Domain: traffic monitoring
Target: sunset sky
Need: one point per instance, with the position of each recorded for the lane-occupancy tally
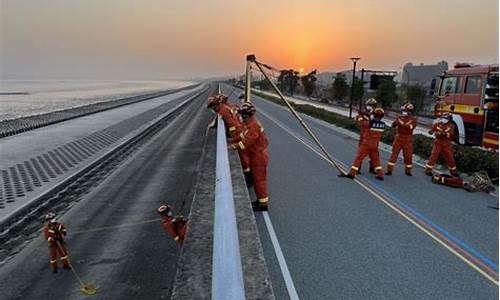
(163, 39)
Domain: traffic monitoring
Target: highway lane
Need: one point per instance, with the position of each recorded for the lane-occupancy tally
(339, 241)
(114, 240)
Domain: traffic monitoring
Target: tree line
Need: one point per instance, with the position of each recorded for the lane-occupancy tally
(386, 93)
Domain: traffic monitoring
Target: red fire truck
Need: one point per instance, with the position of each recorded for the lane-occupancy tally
(470, 94)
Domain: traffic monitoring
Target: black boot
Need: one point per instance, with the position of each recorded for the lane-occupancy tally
(346, 176)
(259, 206)
(248, 179)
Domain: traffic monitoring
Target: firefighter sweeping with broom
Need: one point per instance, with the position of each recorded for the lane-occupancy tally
(175, 226)
(54, 233)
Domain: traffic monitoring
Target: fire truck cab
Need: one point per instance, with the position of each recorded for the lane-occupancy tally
(470, 94)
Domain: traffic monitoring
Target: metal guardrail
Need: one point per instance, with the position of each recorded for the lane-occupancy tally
(227, 274)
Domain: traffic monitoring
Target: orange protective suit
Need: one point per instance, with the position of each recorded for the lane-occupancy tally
(363, 121)
(54, 234)
(234, 127)
(369, 147)
(442, 145)
(448, 180)
(175, 226)
(254, 141)
(403, 141)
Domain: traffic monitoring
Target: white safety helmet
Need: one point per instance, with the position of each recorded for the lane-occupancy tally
(50, 217)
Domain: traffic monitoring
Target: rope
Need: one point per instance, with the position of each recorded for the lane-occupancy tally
(70, 265)
(115, 227)
(297, 116)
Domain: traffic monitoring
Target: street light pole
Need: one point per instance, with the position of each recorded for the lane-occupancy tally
(363, 85)
(354, 61)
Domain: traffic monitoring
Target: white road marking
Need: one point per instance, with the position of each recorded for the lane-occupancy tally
(292, 293)
(390, 205)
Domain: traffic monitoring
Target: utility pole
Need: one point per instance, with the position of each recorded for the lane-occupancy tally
(363, 85)
(248, 78)
(354, 61)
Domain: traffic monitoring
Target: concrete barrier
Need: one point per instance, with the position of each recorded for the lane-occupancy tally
(227, 275)
(193, 279)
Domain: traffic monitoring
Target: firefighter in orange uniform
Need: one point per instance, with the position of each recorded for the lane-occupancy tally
(175, 226)
(254, 141)
(404, 124)
(363, 121)
(443, 129)
(369, 146)
(229, 114)
(54, 233)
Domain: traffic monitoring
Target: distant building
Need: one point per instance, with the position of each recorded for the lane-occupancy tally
(348, 75)
(422, 74)
(325, 78)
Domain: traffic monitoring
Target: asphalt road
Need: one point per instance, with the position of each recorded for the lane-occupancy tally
(341, 242)
(124, 260)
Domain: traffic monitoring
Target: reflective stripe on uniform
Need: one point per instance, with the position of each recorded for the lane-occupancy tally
(263, 200)
(391, 163)
(53, 261)
(376, 129)
(51, 231)
(176, 238)
(232, 128)
(242, 146)
(452, 169)
(49, 239)
(64, 257)
(409, 166)
(442, 179)
(378, 168)
(262, 129)
(429, 166)
(355, 168)
(246, 170)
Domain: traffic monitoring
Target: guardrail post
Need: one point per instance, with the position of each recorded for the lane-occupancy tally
(227, 274)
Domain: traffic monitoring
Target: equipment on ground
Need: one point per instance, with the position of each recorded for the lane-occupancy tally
(477, 182)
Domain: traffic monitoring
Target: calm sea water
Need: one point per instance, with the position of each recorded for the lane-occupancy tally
(20, 98)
